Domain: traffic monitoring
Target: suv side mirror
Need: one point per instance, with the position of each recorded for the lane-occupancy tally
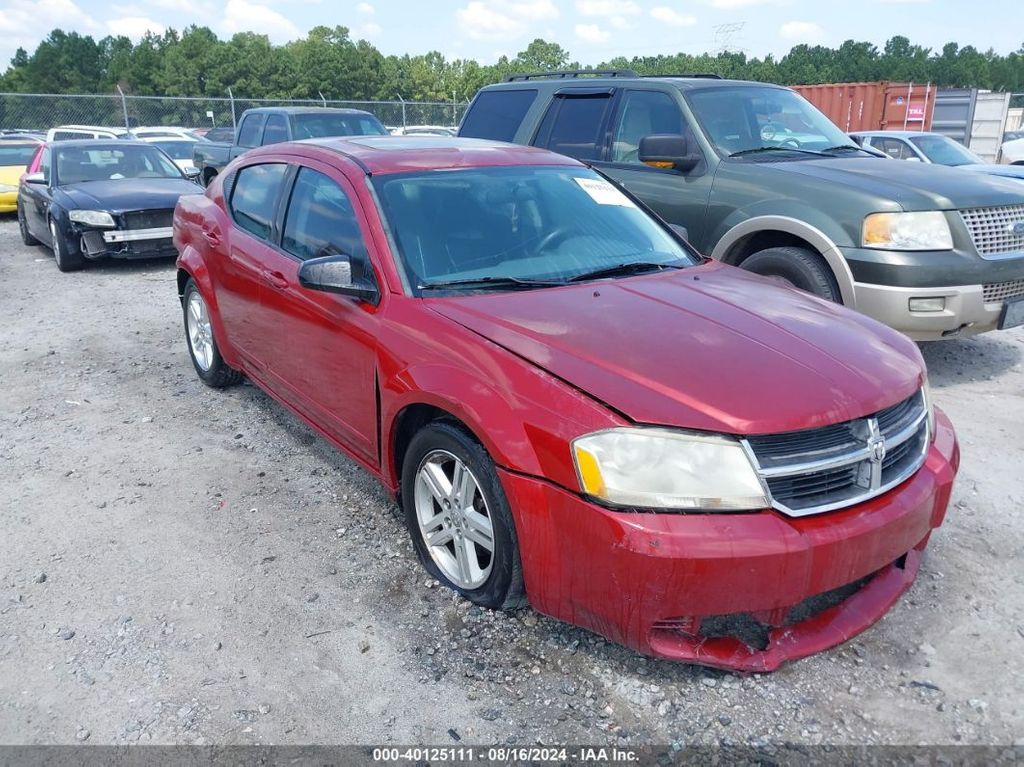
(192, 174)
(34, 178)
(335, 274)
(668, 150)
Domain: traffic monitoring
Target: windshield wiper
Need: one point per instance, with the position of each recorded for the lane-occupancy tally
(489, 282)
(837, 147)
(757, 150)
(629, 267)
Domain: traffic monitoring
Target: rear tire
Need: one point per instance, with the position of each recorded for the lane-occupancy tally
(26, 235)
(202, 346)
(800, 267)
(68, 259)
(457, 513)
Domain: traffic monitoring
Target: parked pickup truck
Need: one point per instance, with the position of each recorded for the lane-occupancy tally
(272, 125)
(761, 179)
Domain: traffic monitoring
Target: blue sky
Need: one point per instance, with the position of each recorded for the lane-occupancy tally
(592, 30)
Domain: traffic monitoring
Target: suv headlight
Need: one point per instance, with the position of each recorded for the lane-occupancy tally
(924, 230)
(91, 217)
(664, 469)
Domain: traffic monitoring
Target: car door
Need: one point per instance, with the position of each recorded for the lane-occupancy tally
(250, 134)
(276, 130)
(254, 194)
(321, 347)
(36, 199)
(680, 198)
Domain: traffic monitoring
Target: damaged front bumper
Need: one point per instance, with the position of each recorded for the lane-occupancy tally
(128, 243)
(745, 592)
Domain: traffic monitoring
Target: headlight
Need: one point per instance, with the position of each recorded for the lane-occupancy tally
(91, 217)
(8, 188)
(664, 469)
(926, 230)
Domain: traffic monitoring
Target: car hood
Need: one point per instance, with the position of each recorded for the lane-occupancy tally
(914, 185)
(710, 347)
(128, 193)
(1007, 171)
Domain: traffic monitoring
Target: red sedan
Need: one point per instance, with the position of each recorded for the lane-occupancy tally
(571, 406)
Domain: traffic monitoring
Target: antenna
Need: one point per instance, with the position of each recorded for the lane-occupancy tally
(724, 34)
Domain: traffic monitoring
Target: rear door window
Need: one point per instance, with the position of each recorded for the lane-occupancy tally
(254, 197)
(575, 125)
(496, 115)
(250, 130)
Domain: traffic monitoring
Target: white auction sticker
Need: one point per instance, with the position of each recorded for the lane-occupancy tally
(603, 193)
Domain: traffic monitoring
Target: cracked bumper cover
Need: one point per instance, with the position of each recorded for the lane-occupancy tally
(128, 243)
(625, 575)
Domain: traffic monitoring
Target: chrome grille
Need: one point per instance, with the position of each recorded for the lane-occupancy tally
(996, 231)
(816, 470)
(149, 219)
(998, 292)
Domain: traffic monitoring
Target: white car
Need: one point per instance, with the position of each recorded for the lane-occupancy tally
(178, 148)
(165, 131)
(1012, 152)
(73, 132)
(424, 130)
(934, 148)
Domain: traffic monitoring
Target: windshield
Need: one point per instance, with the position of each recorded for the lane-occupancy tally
(178, 150)
(502, 224)
(323, 125)
(17, 154)
(942, 150)
(78, 164)
(744, 118)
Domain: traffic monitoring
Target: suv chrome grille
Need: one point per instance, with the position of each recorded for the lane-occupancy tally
(997, 292)
(996, 231)
(816, 470)
(149, 219)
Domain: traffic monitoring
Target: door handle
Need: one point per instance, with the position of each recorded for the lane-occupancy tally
(275, 279)
(211, 237)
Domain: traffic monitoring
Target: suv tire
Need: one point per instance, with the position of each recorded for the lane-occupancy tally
(800, 267)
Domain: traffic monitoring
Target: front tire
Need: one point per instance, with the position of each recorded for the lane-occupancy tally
(202, 346)
(26, 235)
(68, 259)
(799, 267)
(459, 518)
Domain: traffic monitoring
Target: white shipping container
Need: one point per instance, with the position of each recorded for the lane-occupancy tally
(990, 110)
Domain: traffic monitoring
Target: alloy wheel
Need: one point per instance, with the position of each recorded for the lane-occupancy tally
(454, 519)
(200, 333)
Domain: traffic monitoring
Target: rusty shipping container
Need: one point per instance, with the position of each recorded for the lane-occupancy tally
(874, 106)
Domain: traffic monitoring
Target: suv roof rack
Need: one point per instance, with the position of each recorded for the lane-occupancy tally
(693, 75)
(572, 73)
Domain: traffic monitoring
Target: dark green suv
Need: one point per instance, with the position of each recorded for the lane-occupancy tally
(763, 180)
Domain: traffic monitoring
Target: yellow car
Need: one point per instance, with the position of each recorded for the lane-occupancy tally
(14, 158)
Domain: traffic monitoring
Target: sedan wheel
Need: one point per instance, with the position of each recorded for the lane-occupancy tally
(200, 333)
(66, 261)
(454, 520)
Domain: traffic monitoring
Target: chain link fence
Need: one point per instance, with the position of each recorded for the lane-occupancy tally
(40, 111)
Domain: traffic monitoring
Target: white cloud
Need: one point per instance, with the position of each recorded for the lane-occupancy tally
(24, 24)
(243, 16)
(672, 17)
(802, 32)
(607, 8)
(503, 19)
(591, 33)
(732, 5)
(366, 9)
(182, 6)
(369, 29)
(134, 27)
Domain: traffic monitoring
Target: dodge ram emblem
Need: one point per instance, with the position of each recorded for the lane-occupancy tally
(876, 448)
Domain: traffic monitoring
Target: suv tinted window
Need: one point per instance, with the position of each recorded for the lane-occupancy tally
(320, 220)
(643, 113)
(573, 125)
(276, 130)
(254, 197)
(496, 115)
(249, 132)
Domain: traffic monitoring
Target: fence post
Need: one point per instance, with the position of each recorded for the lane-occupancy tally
(124, 108)
(234, 121)
(322, 99)
(403, 109)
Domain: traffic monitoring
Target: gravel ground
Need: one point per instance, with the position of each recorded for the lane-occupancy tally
(183, 565)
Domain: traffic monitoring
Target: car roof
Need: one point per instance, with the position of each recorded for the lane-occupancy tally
(307, 110)
(94, 128)
(895, 133)
(402, 154)
(95, 143)
(682, 82)
(175, 137)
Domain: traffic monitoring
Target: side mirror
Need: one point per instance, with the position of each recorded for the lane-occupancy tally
(339, 274)
(192, 174)
(34, 178)
(913, 159)
(668, 150)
